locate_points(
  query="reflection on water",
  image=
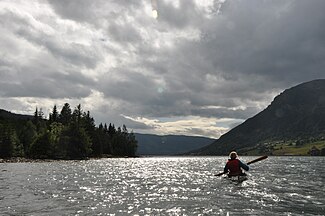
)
(162, 186)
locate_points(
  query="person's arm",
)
(225, 170)
(244, 166)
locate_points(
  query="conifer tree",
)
(65, 114)
(38, 121)
(54, 116)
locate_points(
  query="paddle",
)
(250, 162)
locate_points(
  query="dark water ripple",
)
(162, 186)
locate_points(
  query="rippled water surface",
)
(162, 186)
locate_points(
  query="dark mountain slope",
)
(297, 113)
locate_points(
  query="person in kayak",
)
(234, 166)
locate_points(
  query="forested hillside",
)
(65, 135)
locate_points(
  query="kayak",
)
(238, 179)
(242, 177)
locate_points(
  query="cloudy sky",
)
(200, 68)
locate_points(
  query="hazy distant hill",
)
(297, 114)
(169, 145)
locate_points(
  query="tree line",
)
(65, 135)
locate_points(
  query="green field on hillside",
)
(284, 148)
(289, 149)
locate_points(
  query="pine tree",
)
(65, 114)
(76, 116)
(54, 116)
(38, 121)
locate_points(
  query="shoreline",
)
(24, 160)
(30, 160)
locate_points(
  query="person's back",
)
(234, 166)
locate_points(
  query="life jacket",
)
(234, 167)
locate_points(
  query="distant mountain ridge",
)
(4, 114)
(149, 144)
(297, 113)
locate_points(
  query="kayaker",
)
(234, 166)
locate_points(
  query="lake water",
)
(162, 186)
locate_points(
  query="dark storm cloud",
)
(41, 35)
(72, 53)
(46, 88)
(75, 9)
(131, 86)
(249, 52)
(275, 40)
(179, 17)
(123, 33)
(94, 12)
(72, 77)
